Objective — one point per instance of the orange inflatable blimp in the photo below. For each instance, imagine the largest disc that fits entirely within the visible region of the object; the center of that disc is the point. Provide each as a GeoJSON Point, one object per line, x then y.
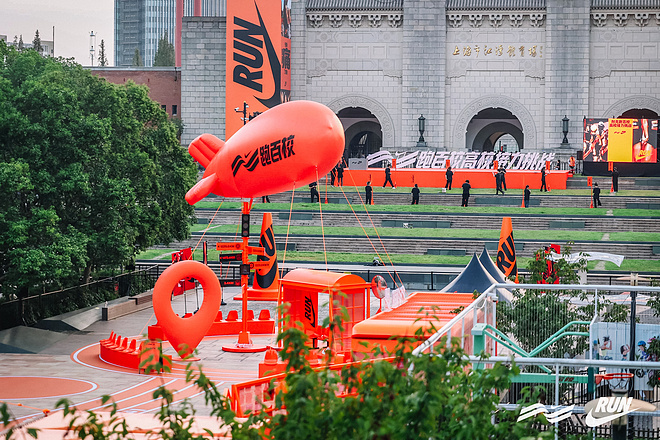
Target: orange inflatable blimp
{"type": "Point", "coordinates": [290, 145]}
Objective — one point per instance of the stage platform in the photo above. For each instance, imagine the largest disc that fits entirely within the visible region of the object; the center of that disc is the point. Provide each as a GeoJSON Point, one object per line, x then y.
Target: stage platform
{"type": "Point", "coordinates": [435, 178]}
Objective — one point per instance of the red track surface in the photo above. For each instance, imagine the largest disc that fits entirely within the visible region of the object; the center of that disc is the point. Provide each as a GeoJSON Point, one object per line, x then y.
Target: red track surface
{"type": "Point", "coordinates": [33, 387]}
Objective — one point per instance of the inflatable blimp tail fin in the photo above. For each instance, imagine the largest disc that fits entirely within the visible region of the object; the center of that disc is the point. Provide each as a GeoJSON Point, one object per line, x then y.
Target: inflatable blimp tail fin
{"type": "Point", "coordinates": [204, 148]}
{"type": "Point", "coordinates": [201, 189]}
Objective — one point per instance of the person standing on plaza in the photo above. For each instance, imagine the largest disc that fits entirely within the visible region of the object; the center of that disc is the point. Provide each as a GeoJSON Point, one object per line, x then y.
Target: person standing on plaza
{"type": "Point", "coordinates": [449, 175]}
{"type": "Point", "coordinates": [543, 185]}
{"type": "Point", "coordinates": [526, 196]}
{"type": "Point", "coordinates": [596, 193]}
{"type": "Point", "coordinates": [466, 193]}
{"type": "Point", "coordinates": [388, 177]}
{"type": "Point", "coordinates": [313, 192]}
{"type": "Point", "coordinates": [615, 180]}
{"type": "Point", "coordinates": [571, 164]}
{"type": "Point", "coordinates": [498, 182]}
{"type": "Point", "coordinates": [340, 174]}
{"type": "Point", "coordinates": [368, 192]}
{"type": "Point", "coordinates": [503, 171]}
{"type": "Point", "coordinates": [415, 195]}
{"type": "Point", "coordinates": [265, 199]}
{"type": "Point", "coordinates": [333, 176]}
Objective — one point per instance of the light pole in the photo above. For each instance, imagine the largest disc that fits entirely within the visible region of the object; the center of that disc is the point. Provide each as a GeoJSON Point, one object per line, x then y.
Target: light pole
{"type": "Point", "coordinates": [421, 125]}
{"type": "Point", "coordinates": [564, 128]}
{"type": "Point", "coordinates": [244, 111]}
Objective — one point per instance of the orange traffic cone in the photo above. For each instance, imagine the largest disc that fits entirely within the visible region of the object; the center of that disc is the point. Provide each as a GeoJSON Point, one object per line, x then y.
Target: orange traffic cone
{"type": "Point", "coordinates": [522, 205]}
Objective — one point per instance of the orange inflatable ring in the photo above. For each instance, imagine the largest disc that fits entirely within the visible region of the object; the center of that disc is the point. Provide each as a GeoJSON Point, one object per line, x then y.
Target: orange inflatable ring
{"type": "Point", "coordinates": [186, 333]}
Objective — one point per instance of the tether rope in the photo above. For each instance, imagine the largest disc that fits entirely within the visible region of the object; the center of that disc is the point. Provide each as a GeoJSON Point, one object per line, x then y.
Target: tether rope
{"type": "Point", "coordinates": [373, 226]}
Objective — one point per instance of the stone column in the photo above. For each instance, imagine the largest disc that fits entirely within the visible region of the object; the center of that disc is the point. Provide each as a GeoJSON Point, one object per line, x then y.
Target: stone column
{"type": "Point", "coordinates": [298, 50]}
{"type": "Point", "coordinates": [566, 55]}
{"type": "Point", "coordinates": [423, 73]}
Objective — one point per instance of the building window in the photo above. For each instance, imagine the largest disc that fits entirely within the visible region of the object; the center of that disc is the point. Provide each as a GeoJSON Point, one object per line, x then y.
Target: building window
{"type": "Point", "coordinates": [174, 109]}
{"type": "Point", "coordinates": [164, 107]}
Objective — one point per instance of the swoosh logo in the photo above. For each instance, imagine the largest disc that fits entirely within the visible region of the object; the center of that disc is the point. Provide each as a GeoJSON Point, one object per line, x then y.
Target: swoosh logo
{"type": "Point", "coordinates": [275, 66]}
{"type": "Point", "coordinates": [592, 421]}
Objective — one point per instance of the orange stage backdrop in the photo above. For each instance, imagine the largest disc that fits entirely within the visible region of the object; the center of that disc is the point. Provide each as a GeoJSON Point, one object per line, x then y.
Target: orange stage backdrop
{"type": "Point", "coordinates": [427, 178]}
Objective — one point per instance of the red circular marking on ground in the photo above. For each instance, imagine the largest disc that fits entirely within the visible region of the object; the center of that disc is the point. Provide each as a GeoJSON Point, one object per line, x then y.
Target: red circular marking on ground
{"type": "Point", "coordinates": [31, 387]}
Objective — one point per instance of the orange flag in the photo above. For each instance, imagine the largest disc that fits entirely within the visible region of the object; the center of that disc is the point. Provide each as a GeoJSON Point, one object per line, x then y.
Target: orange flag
{"type": "Point", "coordinates": [506, 251]}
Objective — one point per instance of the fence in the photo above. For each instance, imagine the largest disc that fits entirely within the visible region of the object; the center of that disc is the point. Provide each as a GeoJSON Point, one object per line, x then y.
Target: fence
{"type": "Point", "coordinates": [33, 308]}
{"type": "Point", "coordinates": [590, 321]}
{"type": "Point", "coordinates": [576, 395]}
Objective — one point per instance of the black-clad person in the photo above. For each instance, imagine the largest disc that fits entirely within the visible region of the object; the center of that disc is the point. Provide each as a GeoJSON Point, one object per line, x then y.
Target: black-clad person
{"type": "Point", "coordinates": [313, 192]}
{"type": "Point", "coordinates": [368, 191]}
{"type": "Point", "coordinates": [388, 177]}
{"type": "Point", "coordinates": [543, 185]}
{"type": "Point", "coordinates": [526, 196]}
{"type": "Point", "coordinates": [449, 175]}
{"type": "Point", "coordinates": [466, 193]}
{"type": "Point", "coordinates": [415, 195]}
{"type": "Point", "coordinates": [615, 180]}
{"type": "Point", "coordinates": [596, 192]}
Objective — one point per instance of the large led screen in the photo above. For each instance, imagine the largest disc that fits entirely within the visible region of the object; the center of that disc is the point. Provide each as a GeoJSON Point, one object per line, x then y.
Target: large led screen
{"type": "Point", "coordinates": [620, 140]}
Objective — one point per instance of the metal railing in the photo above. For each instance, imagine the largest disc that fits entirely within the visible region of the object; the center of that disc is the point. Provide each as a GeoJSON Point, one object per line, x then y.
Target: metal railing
{"type": "Point", "coordinates": [31, 309]}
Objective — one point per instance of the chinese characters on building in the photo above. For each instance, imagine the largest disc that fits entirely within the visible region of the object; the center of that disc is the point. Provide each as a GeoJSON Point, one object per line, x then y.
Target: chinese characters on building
{"type": "Point", "coordinates": [509, 51]}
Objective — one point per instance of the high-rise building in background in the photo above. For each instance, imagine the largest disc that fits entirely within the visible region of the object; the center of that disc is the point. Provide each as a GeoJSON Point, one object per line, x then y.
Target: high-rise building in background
{"type": "Point", "coordinates": [140, 24]}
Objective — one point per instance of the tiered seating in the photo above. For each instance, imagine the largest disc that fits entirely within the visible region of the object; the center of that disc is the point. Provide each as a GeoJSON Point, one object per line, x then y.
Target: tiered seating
{"type": "Point", "coordinates": [128, 353]}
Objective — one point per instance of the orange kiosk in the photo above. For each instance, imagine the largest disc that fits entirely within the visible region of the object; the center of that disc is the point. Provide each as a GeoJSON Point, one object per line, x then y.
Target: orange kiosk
{"type": "Point", "coordinates": [301, 288]}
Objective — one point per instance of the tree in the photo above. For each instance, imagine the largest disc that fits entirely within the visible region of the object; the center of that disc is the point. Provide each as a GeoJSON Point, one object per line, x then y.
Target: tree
{"type": "Point", "coordinates": [21, 45]}
{"type": "Point", "coordinates": [103, 59]}
{"type": "Point", "coordinates": [535, 315]}
{"type": "Point", "coordinates": [91, 173]}
{"type": "Point", "coordinates": [36, 43]}
{"type": "Point", "coordinates": [165, 53]}
{"type": "Point", "coordinates": [137, 59]}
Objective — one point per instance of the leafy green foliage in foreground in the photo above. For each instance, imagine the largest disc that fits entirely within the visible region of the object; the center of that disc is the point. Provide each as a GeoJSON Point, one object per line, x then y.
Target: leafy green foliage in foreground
{"type": "Point", "coordinates": [427, 397]}
{"type": "Point", "coordinates": [91, 173]}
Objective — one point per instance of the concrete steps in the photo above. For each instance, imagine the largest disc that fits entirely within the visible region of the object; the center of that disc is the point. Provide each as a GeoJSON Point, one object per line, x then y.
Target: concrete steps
{"type": "Point", "coordinates": [513, 198]}
{"type": "Point", "coordinates": [421, 246]}
{"type": "Point", "coordinates": [454, 221]}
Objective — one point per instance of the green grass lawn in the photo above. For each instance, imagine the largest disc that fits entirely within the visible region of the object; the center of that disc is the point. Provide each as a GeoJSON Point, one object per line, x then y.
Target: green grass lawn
{"type": "Point", "coordinates": [407, 259]}
{"type": "Point", "coordinates": [563, 236]}
{"type": "Point", "coordinates": [421, 208]}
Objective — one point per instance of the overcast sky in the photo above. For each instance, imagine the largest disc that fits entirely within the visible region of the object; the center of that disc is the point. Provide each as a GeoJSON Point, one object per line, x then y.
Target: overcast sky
{"type": "Point", "coordinates": [73, 21]}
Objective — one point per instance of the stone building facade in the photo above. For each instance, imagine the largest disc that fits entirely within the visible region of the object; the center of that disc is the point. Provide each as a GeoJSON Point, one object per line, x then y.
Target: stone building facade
{"type": "Point", "coordinates": [479, 71]}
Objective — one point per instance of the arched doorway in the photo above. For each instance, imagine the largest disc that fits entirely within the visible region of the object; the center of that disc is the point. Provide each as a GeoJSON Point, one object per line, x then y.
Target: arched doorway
{"type": "Point", "coordinates": [639, 113]}
{"type": "Point", "coordinates": [362, 131]}
{"type": "Point", "coordinates": [494, 129]}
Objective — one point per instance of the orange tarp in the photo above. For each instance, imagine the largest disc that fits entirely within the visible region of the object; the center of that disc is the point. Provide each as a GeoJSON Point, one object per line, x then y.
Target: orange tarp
{"type": "Point", "coordinates": [422, 310]}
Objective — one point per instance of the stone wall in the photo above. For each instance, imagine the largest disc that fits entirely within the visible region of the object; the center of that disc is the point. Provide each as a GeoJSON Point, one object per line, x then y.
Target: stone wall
{"type": "Point", "coordinates": [203, 77]}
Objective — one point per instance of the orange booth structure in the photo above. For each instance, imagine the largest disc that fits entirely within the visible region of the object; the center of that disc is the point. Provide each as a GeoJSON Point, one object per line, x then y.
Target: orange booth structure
{"type": "Point", "coordinates": [435, 178]}
{"type": "Point", "coordinates": [301, 288]}
{"type": "Point", "coordinates": [415, 318]}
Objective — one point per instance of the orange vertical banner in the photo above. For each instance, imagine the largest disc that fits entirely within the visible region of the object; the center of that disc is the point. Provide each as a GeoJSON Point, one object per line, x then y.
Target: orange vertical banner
{"type": "Point", "coordinates": [265, 286]}
{"type": "Point", "coordinates": [254, 67]}
{"type": "Point", "coordinates": [506, 251]}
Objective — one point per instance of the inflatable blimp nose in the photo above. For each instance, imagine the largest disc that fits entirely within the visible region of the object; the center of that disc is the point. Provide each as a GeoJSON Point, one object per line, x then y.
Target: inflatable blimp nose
{"type": "Point", "coordinates": [288, 146]}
